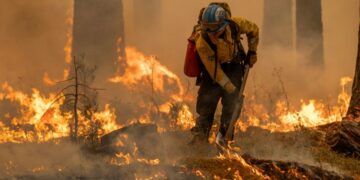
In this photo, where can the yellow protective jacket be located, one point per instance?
(225, 48)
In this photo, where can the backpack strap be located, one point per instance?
(214, 48)
(241, 55)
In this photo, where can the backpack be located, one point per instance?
(192, 66)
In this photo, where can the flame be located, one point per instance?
(40, 119)
(152, 162)
(198, 173)
(147, 68)
(344, 97)
(184, 119)
(141, 70)
(107, 118)
(50, 82)
(311, 113)
(121, 158)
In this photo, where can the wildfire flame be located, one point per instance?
(312, 113)
(148, 68)
(121, 159)
(40, 119)
(142, 70)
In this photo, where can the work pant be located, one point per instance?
(209, 95)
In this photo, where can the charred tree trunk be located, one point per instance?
(147, 19)
(98, 25)
(354, 107)
(344, 137)
(278, 24)
(309, 33)
(76, 99)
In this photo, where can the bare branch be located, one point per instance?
(62, 90)
(84, 96)
(86, 86)
(69, 86)
(57, 99)
(58, 82)
(67, 101)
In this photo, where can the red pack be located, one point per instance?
(192, 60)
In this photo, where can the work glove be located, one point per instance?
(229, 87)
(251, 58)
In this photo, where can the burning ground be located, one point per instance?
(274, 140)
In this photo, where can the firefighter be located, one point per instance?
(223, 59)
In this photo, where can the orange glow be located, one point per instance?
(312, 113)
(50, 82)
(40, 119)
(148, 68)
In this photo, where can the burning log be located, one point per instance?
(247, 167)
(291, 170)
(344, 138)
(144, 136)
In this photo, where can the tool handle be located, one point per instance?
(238, 105)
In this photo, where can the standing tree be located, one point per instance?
(147, 18)
(98, 30)
(79, 96)
(344, 137)
(309, 32)
(278, 23)
(354, 107)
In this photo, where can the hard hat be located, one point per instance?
(214, 19)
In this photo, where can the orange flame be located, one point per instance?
(140, 70)
(312, 113)
(41, 119)
(141, 67)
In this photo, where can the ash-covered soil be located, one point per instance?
(139, 151)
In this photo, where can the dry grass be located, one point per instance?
(304, 146)
(350, 166)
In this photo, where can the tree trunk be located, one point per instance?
(98, 24)
(354, 107)
(76, 98)
(309, 33)
(147, 22)
(277, 29)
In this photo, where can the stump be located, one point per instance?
(344, 138)
(144, 136)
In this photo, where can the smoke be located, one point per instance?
(32, 36)
(339, 23)
(135, 151)
(46, 160)
(298, 146)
